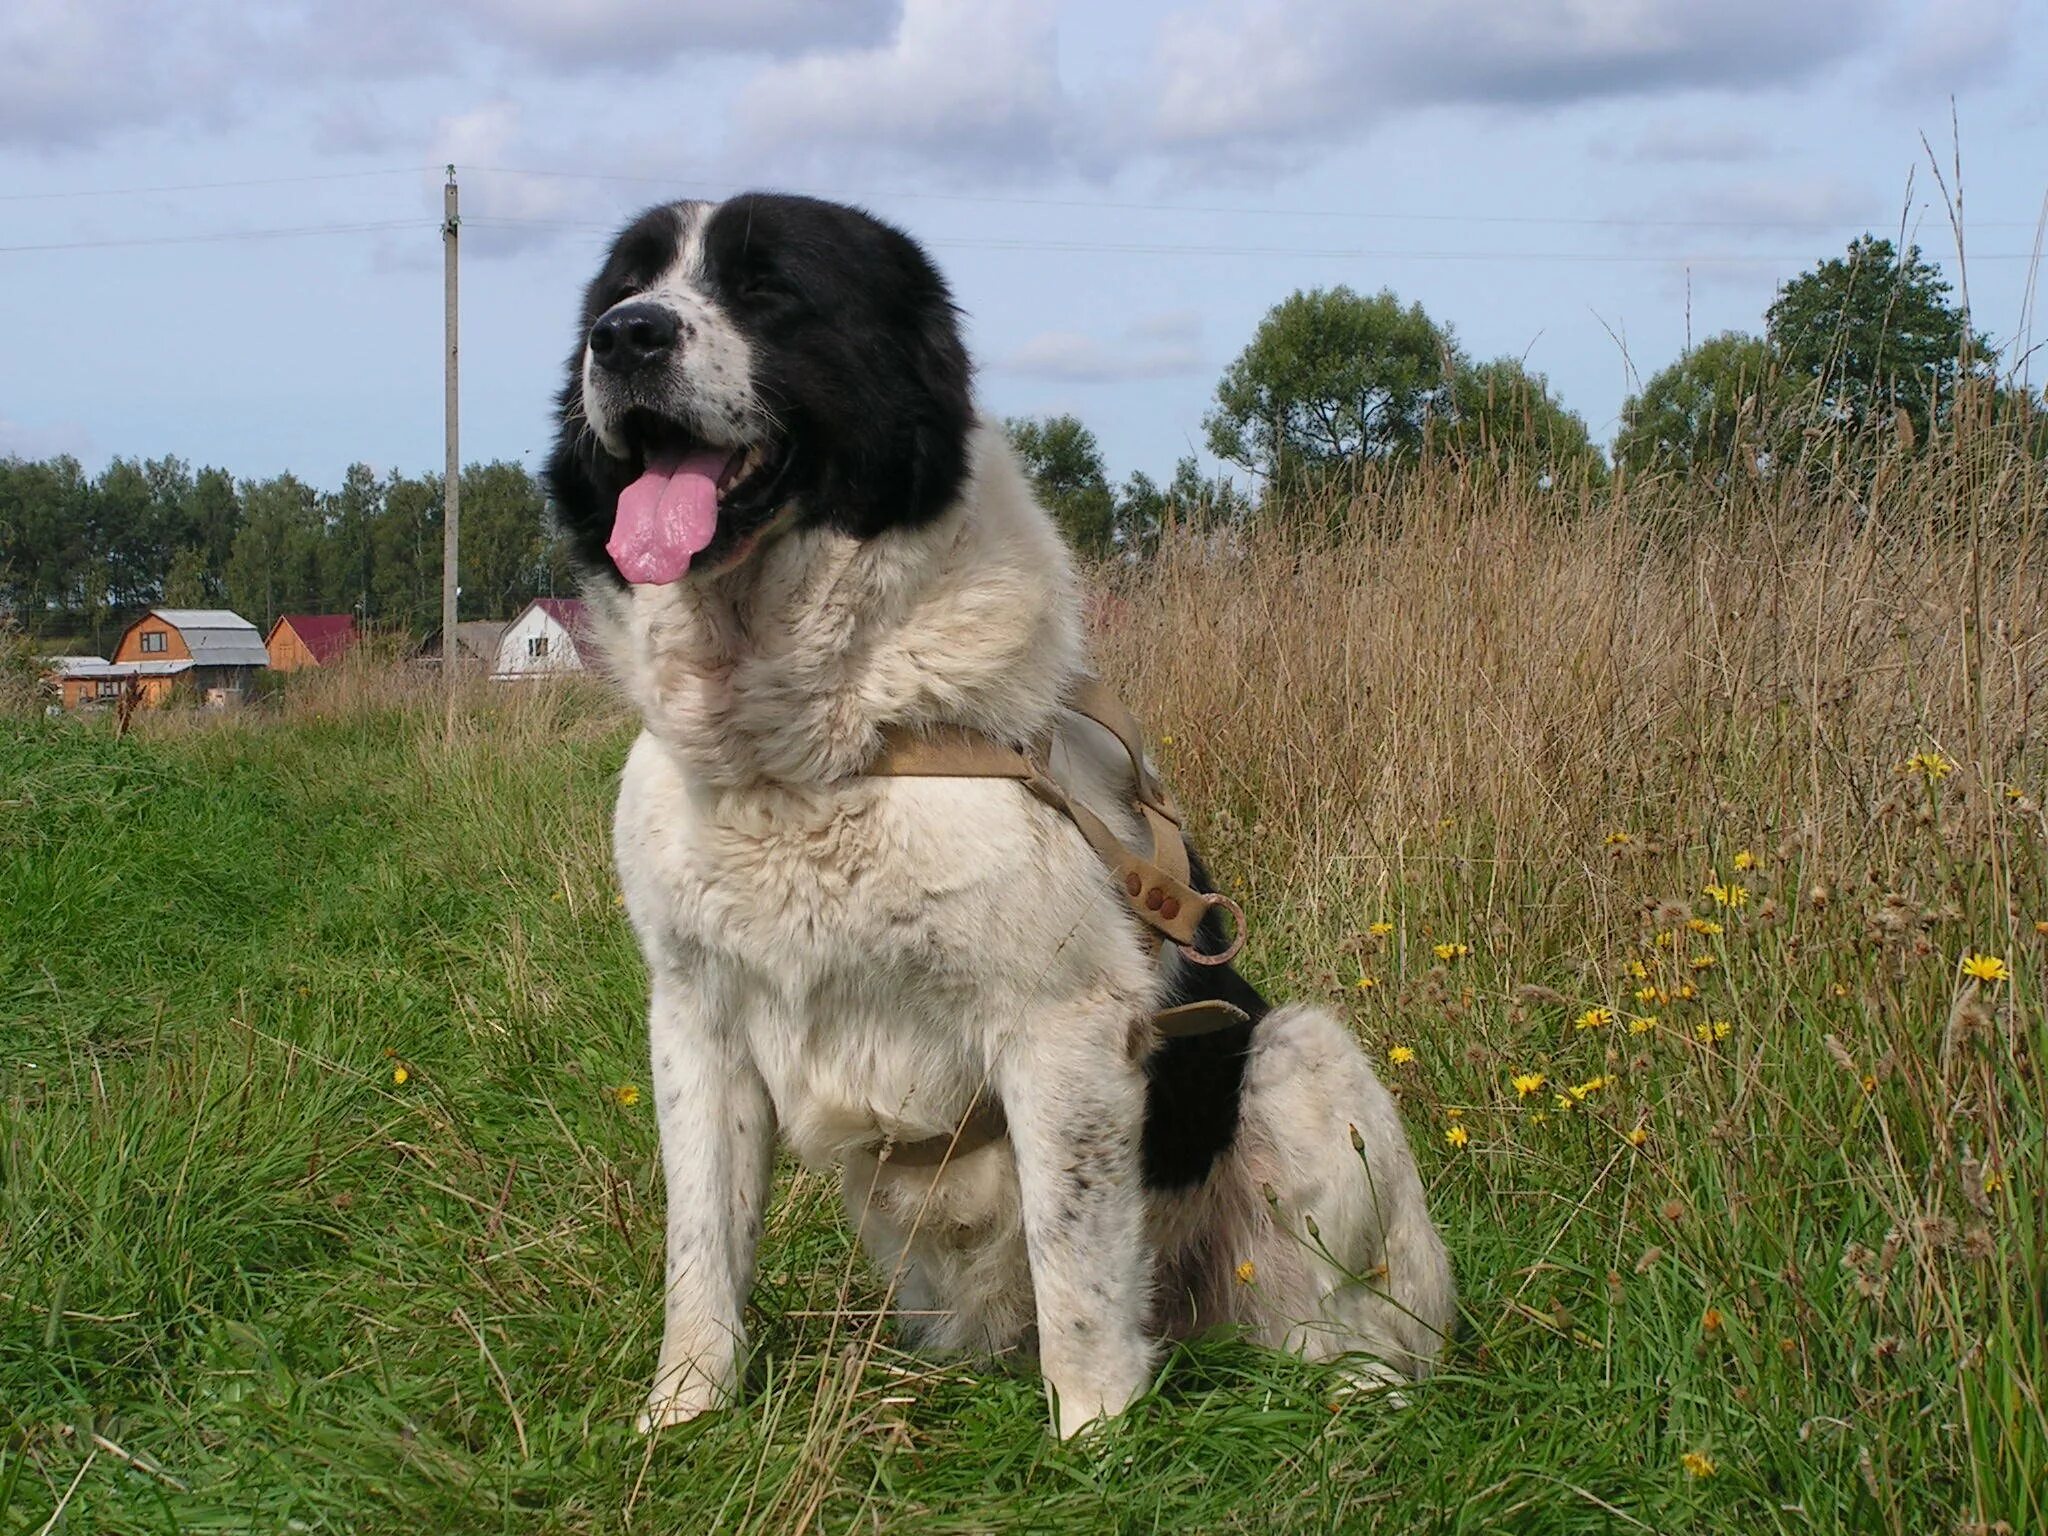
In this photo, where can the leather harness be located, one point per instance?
(1156, 888)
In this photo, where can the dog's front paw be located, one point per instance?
(667, 1406)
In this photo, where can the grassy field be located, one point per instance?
(328, 1191)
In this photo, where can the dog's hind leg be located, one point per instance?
(717, 1150)
(1345, 1258)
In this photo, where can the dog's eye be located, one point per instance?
(767, 287)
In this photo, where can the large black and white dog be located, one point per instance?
(801, 534)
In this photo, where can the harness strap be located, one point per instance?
(1157, 889)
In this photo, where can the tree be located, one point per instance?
(406, 574)
(275, 565)
(349, 555)
(509, 551)
(1503, 412)
(1331, 377)
(1870, 334)
(1064, 463)
(1692, 415)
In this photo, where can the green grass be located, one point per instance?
(249, 1282)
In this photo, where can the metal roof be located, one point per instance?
(99, 669)
(216, 637)
(69, 666)
(326, 635)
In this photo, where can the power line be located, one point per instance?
(1339, 253)
(213, 186)
(218, 236)
(1114, 205)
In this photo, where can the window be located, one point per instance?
(108, 688)
(153, 640)
(537, 647)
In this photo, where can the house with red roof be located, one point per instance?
(549, 635)
(300, 640)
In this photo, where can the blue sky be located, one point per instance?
(1117, 191)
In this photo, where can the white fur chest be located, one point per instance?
(862, 942)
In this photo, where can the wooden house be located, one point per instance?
(300, 640)
(549, 636)
(476, 643)
(78, 681)
(210, 650)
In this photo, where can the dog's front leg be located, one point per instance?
(717, 1147)
(1076, 1103)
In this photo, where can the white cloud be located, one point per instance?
(1687, 141)
(957, 83)
(1953, 43)
(1301, 74)
(73, 72)
(1152, 347)
(628, 33)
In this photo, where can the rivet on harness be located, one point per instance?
(1155, 888)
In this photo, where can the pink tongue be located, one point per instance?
(665, 517)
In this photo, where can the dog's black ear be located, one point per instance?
(921, 413)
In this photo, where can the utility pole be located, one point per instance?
(451, 475)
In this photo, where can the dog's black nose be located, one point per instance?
(633, 336)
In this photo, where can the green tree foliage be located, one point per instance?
(80, 557)
(1064, 463)
(1501, 411)
(1692, 415)
(1332, 377)
(509, 553)
(1872, 333)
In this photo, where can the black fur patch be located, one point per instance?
(855, 349)
(1194, 1085)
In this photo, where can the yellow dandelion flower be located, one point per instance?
(399, 1075)
(1526, 1083)
(1686, 992)
(1247, 1272)
(1366, 983)
(1400, 1055)
(1620, 839)
(1166, 741)
(1664, 938)
(1638, 1136)
(1745, 860)
(1649, 995)
(554, 895)
(1723, 1029)
(1381, 929)
(1986, 968)
(626, 1095)
(1703, 962)
(1730, 895)
(1643, 1024)
(2041, 927)
(1993, 1181)
(1594, 1018)
(1454, 1113)
(1840, 989)
(1710, 1320)
(618, 898)
(1698, 1463)
(1590, 1085)
(1453, 951)
(1706, 926)
(1638, 970)
(1564, 1103)
(1929, 765)
(1869, 1083)
(1457, 1136)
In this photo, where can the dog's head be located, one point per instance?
(749, 365)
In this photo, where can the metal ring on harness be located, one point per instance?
(1212, 900)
